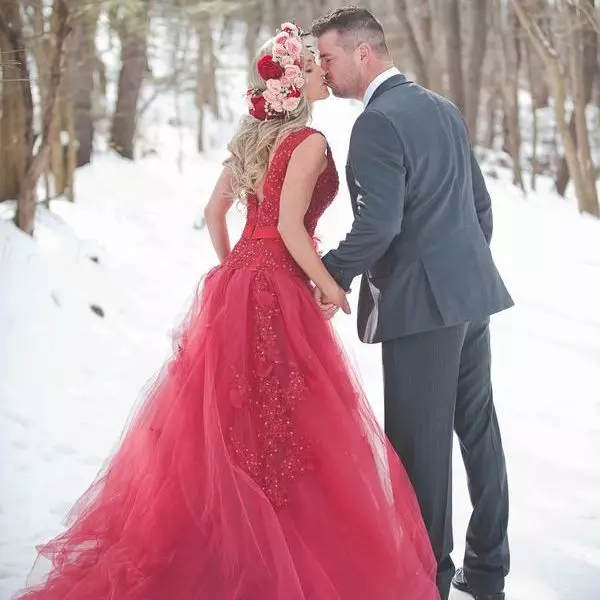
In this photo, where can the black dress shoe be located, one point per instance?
(460, 583)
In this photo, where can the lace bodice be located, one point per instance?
(261, 246)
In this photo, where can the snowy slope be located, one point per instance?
(69, 378)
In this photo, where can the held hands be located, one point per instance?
(331, 302)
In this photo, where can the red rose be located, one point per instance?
(258, 110)
(294, 94)
(269, 69)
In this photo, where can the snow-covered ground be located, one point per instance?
(69, 377)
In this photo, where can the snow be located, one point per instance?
(69, 378)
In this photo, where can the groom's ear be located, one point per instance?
(364, 51)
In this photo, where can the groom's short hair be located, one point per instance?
(355, 23)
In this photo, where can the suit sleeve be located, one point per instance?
(483, 202)
(377, 160)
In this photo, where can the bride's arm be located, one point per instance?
(304, 168)
(215, 212)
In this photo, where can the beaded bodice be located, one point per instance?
(261, 246)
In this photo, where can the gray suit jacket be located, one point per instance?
(422, 218)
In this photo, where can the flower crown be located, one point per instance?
(284, 76)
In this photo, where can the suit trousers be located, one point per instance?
(436, 383)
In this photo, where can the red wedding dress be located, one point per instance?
(255, 469)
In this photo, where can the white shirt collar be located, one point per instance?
(377, 82)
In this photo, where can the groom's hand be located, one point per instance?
(327, 309)
(330, 304)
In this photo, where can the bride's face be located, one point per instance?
(314, 79)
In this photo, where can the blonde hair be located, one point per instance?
(254, 140)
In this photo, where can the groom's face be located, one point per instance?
(339, 62)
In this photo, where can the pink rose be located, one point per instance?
(285, 82)
(273, 101)
(279, 50)
(294, 46)
(287, 60)
(291, 103)
(292, 71)
(276, 106)
(274, 86)
(298, 82)
(282, 37)
(270, 97)
(288, 25)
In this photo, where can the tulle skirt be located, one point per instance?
(254, 469)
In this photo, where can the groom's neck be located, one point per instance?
(374, 70)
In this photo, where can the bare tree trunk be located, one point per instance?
(454, 53)
(590, 15)
(534, 118)
(202, 26)
(83, 68)
(581, 94)
(540, 90)
(562, 172)
(34, 165)
(12, 104)
(274, 13)
(418, 62)
(200, 134)
(40, 46)
(69, 143)
(206, 85)
(545, 50)
(179, 59)
(134, 40)
(429, 23)
(492, 81)
(254, 18)
(511, 68)
(63, 144)
(590, 59)
(210, 76)
(479, 29)
(492, 102)
(433, 30)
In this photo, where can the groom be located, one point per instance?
(421, 233)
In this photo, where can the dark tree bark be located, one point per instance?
(417, 59)
(474, 73)
(582, 79)
(206, 85)
(454, 61)
(590, 71)
(510, 42)
(544, 48)
(83, 68)
(34, 165)
(13, 105)
(133, 31)
(254, 18)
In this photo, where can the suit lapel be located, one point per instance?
(388, 84)
(353, 187)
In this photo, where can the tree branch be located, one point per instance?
(35, 164)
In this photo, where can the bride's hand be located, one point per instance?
(337, 297)
(327, 309)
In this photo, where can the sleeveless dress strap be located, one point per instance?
(288, 145)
